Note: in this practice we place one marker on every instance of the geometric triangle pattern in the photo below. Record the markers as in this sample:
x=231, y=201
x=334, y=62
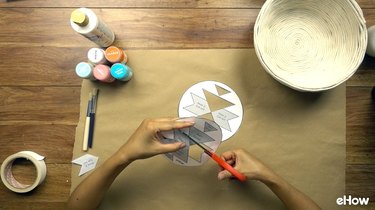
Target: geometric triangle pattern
x=221, y=91
x=208, y=127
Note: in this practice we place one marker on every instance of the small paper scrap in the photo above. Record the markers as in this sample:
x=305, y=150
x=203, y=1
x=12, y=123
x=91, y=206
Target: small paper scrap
x=87, y=162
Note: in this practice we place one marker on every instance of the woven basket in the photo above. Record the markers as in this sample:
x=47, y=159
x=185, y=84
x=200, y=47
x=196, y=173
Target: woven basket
x=310, y=45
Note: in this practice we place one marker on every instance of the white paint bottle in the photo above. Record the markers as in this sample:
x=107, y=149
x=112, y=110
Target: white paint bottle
x=96, y=56
x=85, y=22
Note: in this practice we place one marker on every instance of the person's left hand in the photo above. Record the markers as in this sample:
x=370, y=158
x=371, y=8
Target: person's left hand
x=145, y=142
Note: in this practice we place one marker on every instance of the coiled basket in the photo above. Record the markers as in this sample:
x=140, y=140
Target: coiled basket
x=310, y=45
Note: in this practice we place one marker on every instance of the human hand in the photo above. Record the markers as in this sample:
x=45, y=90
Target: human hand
x=145, y=142
x=245, y=163
x=254, y=169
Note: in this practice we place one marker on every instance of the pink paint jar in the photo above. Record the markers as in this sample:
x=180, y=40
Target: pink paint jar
x=103, y=73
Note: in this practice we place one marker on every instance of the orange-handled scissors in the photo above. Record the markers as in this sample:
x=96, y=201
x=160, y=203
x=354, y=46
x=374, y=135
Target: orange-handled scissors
x=220, y=161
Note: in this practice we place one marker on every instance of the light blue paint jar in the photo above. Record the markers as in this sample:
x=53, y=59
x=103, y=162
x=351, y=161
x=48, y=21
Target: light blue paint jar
x=85, y=70
x=121, y=72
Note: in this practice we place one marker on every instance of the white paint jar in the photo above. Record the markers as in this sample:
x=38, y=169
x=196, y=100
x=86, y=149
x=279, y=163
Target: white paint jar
x=85, y=22
x=96, y=56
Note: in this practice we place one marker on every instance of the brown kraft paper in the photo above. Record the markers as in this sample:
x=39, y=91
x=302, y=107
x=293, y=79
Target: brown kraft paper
x=301, y=136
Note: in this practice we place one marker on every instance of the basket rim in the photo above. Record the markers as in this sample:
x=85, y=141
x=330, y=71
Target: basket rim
x=350, y=71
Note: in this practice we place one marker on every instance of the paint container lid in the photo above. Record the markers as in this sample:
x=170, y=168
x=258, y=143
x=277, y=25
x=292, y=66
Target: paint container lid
x=102, y=73
x=78, y=17
x=84, y=70
x=114, y=54
x=96, y=55
x=120, y=71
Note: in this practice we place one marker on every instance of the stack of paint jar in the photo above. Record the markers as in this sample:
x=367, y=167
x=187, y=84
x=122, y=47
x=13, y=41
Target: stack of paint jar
x=105, y=65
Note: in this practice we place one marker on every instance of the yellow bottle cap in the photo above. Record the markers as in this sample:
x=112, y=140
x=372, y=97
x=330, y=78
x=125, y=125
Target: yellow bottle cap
x=79, y=17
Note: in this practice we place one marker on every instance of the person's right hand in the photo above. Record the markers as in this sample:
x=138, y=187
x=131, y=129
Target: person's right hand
x=245, y=163
x=254, y=169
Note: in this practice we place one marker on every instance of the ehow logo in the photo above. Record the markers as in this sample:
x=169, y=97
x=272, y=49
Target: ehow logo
x=352, y=201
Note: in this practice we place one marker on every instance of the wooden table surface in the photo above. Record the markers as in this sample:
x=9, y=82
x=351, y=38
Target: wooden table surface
x=39, y=91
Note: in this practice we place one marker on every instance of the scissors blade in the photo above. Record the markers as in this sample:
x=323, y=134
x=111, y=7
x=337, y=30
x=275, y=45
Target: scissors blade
x=196, y=142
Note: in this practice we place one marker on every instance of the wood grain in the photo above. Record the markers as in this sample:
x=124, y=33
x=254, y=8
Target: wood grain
x=51, y=194
x=360, y=145
x=152, y=3
x=55, y=142
x=33, y=205
x=54, y=50
x=139, y=3
x=365, y=75
x=360, y=107
x=39, y=92
x=137, y=28
x=134, y=28
x=359, y=179
x=30, y=66
x=360, y=141
x=53, y=105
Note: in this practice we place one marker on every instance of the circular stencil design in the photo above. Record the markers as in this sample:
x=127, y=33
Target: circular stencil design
x=207, y=133
x=214, y=101
x=310, y=45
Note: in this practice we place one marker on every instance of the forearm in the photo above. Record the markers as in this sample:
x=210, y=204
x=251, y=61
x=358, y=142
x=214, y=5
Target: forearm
x=91, y=191
x=292, y=198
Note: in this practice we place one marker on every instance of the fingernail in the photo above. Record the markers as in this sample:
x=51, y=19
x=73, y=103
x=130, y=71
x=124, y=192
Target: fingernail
x=186, y=120
x=220, y=176
x=182, y=145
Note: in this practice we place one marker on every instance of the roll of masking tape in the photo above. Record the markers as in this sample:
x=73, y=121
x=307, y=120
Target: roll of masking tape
x=7, y=176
